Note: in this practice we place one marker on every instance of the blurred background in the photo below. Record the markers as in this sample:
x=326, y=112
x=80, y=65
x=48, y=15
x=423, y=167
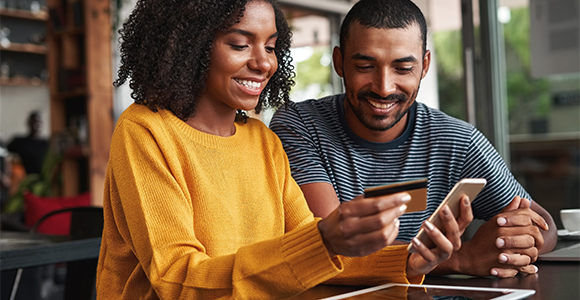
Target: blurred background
x=510, y=67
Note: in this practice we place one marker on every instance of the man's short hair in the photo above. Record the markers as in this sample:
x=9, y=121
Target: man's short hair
x=385, y=14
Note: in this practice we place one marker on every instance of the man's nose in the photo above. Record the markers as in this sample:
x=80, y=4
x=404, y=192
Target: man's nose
x=384, y=83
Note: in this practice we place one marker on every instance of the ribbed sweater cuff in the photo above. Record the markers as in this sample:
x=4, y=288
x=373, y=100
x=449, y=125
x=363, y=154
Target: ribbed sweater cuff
x=305, y=252
x=393, y=263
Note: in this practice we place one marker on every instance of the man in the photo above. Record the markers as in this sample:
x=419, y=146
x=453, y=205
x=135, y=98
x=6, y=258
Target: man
x=376, y=133
x=31, y=148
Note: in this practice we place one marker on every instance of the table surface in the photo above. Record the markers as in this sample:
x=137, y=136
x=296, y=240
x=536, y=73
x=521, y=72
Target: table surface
x=23, y=249
x=554, y=280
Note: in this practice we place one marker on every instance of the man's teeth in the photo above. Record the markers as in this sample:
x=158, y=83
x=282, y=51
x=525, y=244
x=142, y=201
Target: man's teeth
x=249, y=84
x=381, y=105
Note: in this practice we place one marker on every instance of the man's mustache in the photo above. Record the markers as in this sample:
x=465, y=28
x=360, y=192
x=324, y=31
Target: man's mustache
x=366, y=95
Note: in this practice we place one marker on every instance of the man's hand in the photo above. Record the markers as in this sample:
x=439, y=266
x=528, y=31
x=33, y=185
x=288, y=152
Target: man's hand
x=506, y=244
x=363, y=225
x=424, y=260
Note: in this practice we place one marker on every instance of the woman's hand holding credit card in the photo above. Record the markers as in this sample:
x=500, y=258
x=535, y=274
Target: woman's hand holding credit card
x=417, y=188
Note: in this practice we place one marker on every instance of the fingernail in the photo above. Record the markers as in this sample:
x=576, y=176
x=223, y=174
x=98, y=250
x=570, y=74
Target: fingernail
x=501, y=221
x=397, y=223
x=406, y=198
x=466, y=201
x=499, y=242
x=494, y=272
x=403, y=208
x=503, y=258
x=416, y=241
x=535, y=269
x=546, y=224
x=429, y=225
x=445, y=210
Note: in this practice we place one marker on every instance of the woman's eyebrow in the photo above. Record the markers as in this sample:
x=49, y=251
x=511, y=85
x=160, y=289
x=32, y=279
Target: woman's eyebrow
x=248, y=33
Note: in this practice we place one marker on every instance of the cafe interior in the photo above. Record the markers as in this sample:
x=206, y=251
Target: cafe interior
x=509, y=67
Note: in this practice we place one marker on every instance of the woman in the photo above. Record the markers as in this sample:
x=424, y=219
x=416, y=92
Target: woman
x=199, y=201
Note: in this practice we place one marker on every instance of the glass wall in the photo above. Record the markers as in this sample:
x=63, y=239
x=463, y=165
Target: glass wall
x=543, y=92
x=542, y=80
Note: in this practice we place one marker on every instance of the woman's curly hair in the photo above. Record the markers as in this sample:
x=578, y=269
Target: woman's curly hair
x=165, y=52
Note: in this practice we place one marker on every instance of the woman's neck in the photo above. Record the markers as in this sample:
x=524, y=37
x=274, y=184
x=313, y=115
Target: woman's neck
x=212, y=120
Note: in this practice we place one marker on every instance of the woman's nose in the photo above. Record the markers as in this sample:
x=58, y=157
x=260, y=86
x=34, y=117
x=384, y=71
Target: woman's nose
x=262, y=61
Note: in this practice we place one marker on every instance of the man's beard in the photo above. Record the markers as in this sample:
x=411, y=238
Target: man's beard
x=362, y=96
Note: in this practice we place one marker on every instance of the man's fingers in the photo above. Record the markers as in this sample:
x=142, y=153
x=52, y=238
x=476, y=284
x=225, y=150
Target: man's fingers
x=532, y=252
x=515, y=204
x=517, y=260
x=521, y=217
x=529, y=269
x=503, y=273
x=515, y=241
x=370, y=206
x=525, y=203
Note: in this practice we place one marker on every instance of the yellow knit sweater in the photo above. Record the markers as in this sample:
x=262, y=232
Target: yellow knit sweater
x=191, y=215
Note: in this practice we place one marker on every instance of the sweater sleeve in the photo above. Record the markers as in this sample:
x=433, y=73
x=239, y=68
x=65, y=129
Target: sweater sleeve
x=155, y=217
x=386, y=265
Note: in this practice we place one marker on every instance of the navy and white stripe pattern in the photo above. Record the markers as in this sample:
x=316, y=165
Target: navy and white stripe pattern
x=321, y=148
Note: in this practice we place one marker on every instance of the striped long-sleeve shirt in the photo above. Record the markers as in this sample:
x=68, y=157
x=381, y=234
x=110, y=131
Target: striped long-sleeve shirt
x=321, y=148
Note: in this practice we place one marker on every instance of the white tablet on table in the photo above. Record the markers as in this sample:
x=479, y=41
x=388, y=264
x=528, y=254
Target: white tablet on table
x=426, y=291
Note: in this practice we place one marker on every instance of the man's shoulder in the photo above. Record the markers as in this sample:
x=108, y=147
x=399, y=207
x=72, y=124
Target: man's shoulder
x=309, y=107
x=436, y=119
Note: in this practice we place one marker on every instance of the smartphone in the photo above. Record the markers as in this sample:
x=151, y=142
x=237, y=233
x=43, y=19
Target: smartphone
x=467, y=186
x=417, y=188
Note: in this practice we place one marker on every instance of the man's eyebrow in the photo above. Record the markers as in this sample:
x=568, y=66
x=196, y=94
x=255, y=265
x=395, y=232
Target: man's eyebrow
x=359, y=56
x=249, y=34
x=409, y=58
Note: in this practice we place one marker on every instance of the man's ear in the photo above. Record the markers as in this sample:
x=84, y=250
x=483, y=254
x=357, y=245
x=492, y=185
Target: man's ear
x=426, y=63
x=337, y=61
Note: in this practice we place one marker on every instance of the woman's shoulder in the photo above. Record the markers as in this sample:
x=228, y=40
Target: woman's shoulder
x=142, y=115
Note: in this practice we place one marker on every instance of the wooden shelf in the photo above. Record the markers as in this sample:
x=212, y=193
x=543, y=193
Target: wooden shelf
x=21, y=81
x=25, y=48
x=79, y=40
x=24, y=14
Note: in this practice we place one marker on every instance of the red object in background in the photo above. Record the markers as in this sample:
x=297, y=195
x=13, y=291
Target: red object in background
x=36, y=207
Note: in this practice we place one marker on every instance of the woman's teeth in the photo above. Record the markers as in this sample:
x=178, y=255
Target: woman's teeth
x=249, y=84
